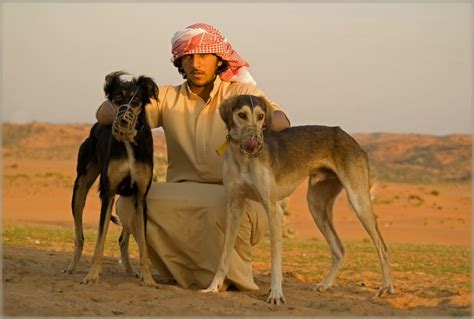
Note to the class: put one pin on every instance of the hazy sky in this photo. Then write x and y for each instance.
(369, 67)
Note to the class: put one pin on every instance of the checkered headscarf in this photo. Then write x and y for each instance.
(204, 38)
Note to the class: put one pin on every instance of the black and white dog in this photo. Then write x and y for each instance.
(123, 156)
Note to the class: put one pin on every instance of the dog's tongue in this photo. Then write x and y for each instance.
(251, 144)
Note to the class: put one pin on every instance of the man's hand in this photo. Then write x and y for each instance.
(106, 113)
(279, 121)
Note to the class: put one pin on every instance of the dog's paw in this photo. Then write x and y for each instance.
(322, 286)
(149, 283)
(91, 278)
(385, 290)
(71, 268)
(215, 286)
(276, 298)
(68, 271)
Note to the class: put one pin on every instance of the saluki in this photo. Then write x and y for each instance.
(267, 166)
(122, 153)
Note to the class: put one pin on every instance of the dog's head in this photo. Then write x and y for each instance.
(129, 98)
(245, 117)
(137, 92)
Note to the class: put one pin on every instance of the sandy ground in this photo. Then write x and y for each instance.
(35, 286)
(39, 191)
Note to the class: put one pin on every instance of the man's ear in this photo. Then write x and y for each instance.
(112, 80)
(225, 110)
(148, 87)
(268, 111)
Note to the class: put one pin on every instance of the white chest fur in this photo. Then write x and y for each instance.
(131, 161)
(120, 169)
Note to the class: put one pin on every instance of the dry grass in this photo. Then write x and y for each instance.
(431, 269)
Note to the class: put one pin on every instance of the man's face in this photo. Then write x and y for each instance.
(200, 69)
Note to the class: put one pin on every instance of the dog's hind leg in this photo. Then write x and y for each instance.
(105, 213)
(321, 196)
(358, 193)
(87, 172)
(124, 256)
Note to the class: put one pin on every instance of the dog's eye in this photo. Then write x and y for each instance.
(242, 115)
(260, 117)
(136, 101)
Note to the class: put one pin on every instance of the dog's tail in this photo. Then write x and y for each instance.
(115, 220)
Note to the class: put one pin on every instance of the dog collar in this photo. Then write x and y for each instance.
(221, 149)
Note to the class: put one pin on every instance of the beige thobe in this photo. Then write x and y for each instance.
(186, 215)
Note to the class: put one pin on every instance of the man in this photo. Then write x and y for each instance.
(186, 215)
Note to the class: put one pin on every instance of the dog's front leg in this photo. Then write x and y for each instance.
(105, 213)
(275, 222)
(145, 268)
(235, 205)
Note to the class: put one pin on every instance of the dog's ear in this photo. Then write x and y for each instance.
(112, 80)
(148, 87)
(268, 109)
(225, 110)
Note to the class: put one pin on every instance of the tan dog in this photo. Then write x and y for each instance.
(268, 166)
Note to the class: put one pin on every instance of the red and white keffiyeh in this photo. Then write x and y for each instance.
(204, 38)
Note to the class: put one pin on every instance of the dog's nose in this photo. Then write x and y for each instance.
(252, 143)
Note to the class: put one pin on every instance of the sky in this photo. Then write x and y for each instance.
(367, 67)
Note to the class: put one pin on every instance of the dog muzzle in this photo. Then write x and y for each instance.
(251, 140)
(123, 127)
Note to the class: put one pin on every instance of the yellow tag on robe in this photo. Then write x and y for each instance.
(221, 149)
